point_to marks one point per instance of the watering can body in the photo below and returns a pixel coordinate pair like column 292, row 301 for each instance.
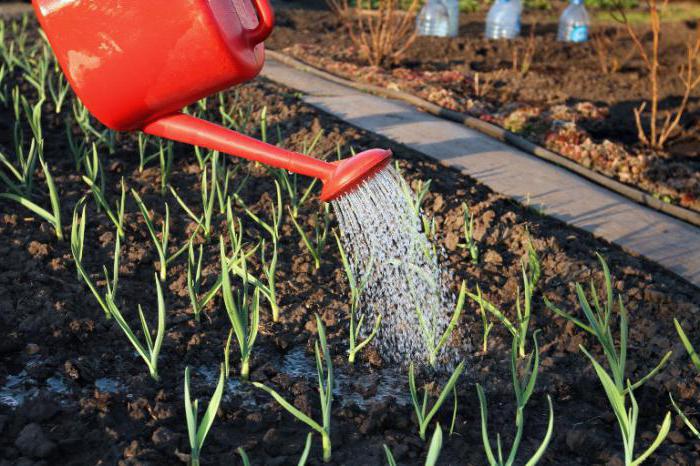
column 135, row 64
column 134, row 61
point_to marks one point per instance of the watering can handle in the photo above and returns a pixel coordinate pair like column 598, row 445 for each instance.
column 266, row 21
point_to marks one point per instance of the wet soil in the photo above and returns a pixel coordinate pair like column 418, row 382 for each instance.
column 562, row 100
column 73, row 391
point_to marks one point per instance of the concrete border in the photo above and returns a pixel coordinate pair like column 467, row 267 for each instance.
column 673, row 244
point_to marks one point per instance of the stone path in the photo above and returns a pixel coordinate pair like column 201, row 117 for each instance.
column 673, row 244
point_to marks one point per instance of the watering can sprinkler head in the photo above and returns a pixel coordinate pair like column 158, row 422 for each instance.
column 134, row 71
column 351, row 172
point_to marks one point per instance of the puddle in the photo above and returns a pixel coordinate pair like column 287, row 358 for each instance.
column 234, row 387
column 385, row 384
column 21, row 387
column 107, row 385
column 17, row 389
column 57, row 384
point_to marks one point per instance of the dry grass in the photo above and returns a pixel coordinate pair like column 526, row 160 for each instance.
column 604, row 45
column 524, row 54
column 381, row 34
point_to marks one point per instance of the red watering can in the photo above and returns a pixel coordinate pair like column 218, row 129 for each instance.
column 136, row 63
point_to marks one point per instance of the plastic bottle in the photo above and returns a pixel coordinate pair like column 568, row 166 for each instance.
column 574, row 22
column 453, row 13
column 503, row 20
column 433, row 19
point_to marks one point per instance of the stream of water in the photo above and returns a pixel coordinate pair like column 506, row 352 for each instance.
column 382, row 234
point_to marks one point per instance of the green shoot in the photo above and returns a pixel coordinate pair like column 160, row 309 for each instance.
column 685, row 419
column 78, row 149
column 487, row 324
column 208, row 196
column 244, row 315
column 616, row 385
column 244, row 456
column 197, row 432
column 599, row 325
column 165, row 157
column 76, row 243
column 263, row 124
column 289, row 182
column 687, row 345
column 534, row 269
column 98, row 193
column 389, row 456
column 469, row 242
column 356, row 289
column 269, row 268
column 194, row 277
column 433, row 450
column 23, row 174
column 321, row 224
column 325, row 390
column 435, row 447
column 421, row 408
column 77, row 232
column 222, row 185
column 237, row 269
column 695, row 359
column 33, row 115
column 627, row 418
column 416, row 199
column 434, row 344
column 93, row 170
column 53, row 217
column 235, row 229
column 307, row 449
column 230, row 118
column 58, row 88
column 523, row 309
column 275, row 210
column 142, row 147
column 149, row 352
column 523, row 388
column 161, row 244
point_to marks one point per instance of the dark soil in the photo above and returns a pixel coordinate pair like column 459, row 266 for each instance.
column 73, row 392
column 562, row 101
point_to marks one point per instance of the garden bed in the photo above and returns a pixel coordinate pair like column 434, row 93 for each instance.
column 72, row 390
column 562, row 100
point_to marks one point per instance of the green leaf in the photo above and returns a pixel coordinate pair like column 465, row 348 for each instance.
column 307, row 449
column 24, row 202
column 210, row 414
column 244, row 456
column 446, row 390
column 484, row 426
column 453, row 322
column 547, row 438
column 479, row 299
column 661, row 436
column 435, row 447
column 685, row 419
column 694, row 357
column 189, row 415
column 290, row 408
column 389, row 457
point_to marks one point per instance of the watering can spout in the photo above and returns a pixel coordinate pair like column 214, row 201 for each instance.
column 338, row 177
